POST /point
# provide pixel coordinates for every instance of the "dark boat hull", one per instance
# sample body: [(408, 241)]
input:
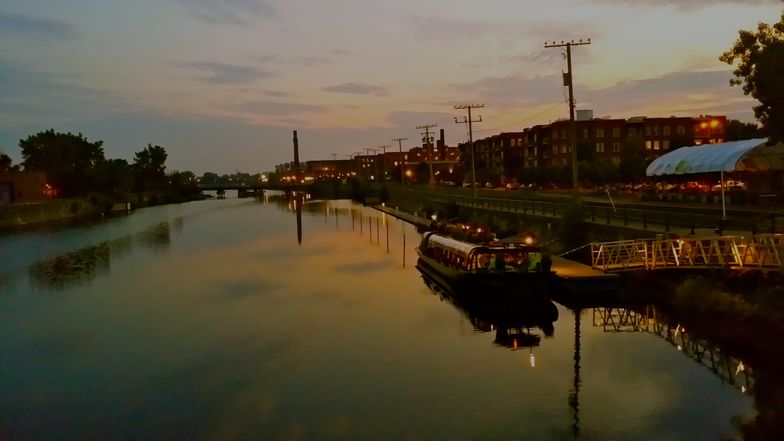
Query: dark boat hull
[(487, 284)]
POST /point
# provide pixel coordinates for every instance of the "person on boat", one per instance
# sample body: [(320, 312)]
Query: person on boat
[(491, 265), (500, 264)]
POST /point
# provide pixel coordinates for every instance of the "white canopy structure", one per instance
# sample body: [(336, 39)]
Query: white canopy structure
[(745, 155)]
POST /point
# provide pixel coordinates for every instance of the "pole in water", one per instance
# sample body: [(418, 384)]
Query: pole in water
[(387, 223), (378, 232), (404, 246)]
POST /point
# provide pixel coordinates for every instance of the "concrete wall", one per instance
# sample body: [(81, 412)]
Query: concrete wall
[(58, 209)]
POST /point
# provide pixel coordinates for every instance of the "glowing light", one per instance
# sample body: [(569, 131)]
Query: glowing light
[(532, 359), (703, 125), (714, 123), (529, 240)]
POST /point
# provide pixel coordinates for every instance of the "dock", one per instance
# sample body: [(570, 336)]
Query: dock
[(578, 277), (571, 275)]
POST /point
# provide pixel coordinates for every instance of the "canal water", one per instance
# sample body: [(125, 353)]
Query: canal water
[(230, 320)]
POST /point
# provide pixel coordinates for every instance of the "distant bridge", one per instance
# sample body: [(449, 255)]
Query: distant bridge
[(254, 187), (756, 252)]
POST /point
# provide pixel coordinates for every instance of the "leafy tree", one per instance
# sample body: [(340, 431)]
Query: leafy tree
[(209, 178), (69, 160), (113, 175), (422, 173), (737, 130), (760, 57), (149, 167), (633, 162), (6, 164)]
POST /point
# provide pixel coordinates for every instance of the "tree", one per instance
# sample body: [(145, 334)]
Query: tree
[(149, 167), (6, 164), (760, 57), (113, 175), (737, 130), (69, 160)]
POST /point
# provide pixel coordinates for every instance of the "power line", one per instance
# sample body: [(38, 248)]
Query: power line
[(400, 146), (468, 120), (567, 79), (529, 117), (429, 143)]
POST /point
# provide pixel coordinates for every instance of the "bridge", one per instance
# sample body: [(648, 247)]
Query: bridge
[(254, 187), (729, 369), (757, 252)]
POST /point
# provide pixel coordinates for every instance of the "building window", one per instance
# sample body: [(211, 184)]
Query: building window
[(648, 144), (600, 133), (656, 145), (585, 133), (666, 144), (647, 130), (616, 132), (555, 149), (655, 130), (564, 161), (666, 130), (616, 160), (599, 147), (563, 148), (616, 146), (519, 142), (680, 130), (563, 134)]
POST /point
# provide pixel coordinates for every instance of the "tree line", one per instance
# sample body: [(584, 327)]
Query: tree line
[(76, 166)]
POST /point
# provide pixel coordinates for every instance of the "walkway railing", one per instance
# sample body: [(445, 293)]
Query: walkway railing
[(764, 251), (652, 217)]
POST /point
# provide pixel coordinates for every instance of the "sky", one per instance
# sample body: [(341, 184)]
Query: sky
[(221, 84)]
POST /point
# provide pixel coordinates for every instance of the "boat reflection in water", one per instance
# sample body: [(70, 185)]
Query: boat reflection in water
[(519, 321)]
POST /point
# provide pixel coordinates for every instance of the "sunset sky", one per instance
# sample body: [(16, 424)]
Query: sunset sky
[(222, 83)]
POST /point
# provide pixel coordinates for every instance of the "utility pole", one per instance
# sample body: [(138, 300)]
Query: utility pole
[(567, 78), (469, 121), (371, 149), (429, 144), (402, 167), (383, 165)]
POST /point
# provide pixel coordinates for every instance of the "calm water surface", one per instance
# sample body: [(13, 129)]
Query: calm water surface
[(210, 321)]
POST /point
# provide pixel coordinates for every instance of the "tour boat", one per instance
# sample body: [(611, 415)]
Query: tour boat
[(508, 265)]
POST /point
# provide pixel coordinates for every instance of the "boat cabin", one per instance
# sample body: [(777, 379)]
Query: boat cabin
[(468, 257)]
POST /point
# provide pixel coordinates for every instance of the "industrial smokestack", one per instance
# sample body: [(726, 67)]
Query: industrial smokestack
[(441, 140), (296, 151)]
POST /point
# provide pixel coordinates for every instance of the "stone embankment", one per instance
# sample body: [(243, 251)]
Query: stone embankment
[(54, 210)]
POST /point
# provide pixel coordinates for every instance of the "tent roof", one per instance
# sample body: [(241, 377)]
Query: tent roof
[(745, 155)]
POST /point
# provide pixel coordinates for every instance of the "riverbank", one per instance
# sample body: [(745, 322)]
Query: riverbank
[(92, 206)]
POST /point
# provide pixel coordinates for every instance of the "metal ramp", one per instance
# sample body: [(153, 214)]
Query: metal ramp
[(762, 252)]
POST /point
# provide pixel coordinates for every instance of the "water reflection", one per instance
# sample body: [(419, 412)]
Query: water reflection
[(85, 264), (649, 319), (515, 322), (72, 268)]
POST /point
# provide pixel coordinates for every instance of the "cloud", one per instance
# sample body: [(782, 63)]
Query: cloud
[(686, 5), (451, 28), (236, 12), (277, 108), (220, 73), (304, 60), (357, 88), (686, 91), (30, 95), (512, 91), (31, 27)]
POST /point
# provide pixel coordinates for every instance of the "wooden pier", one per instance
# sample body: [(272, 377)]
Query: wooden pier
[(577, 277)]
